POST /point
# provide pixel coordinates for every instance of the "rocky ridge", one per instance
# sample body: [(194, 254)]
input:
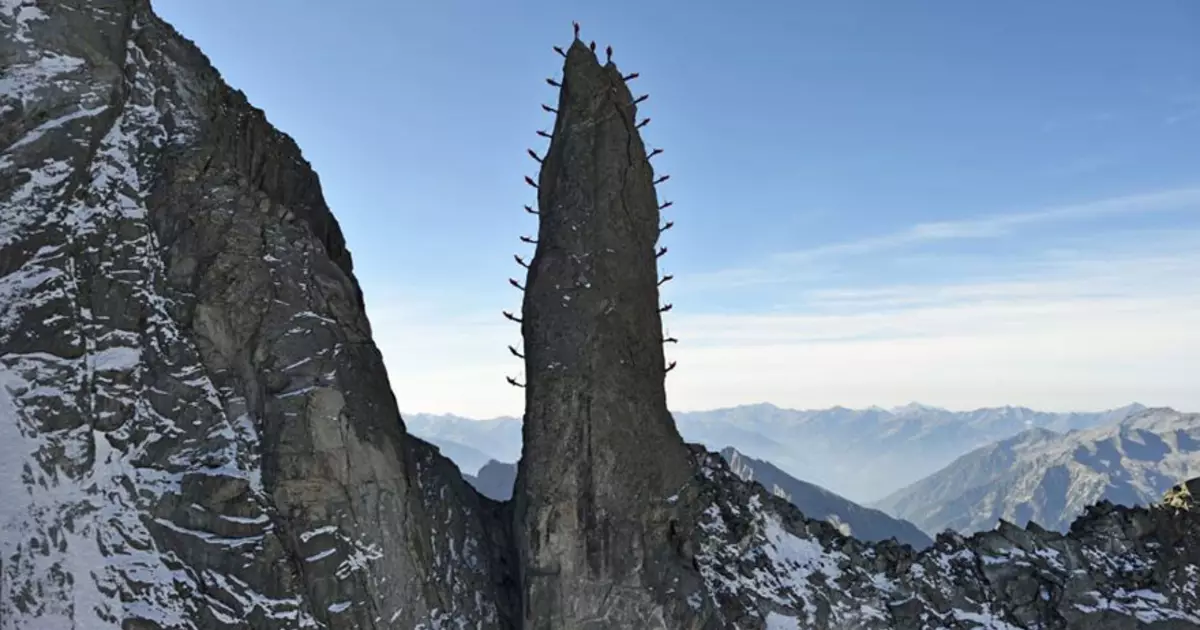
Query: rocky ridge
[(198, 431), (1050, 477)]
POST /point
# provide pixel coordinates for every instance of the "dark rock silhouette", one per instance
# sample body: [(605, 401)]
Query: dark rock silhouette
[(495, 480)]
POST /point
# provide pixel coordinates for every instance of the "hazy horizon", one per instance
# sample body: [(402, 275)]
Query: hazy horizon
[(892, 408)]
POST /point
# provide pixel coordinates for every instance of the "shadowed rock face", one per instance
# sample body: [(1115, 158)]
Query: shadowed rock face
[(600, 447), (196, 430)]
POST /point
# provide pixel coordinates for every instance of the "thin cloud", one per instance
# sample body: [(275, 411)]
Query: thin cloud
[(1099, 328), (1102, 319), (1006, 224), (1087, 338), (788, 267)]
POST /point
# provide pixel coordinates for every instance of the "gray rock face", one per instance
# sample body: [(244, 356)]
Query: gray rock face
[(817, 503), (495, 480), (197, 428), (600, 448)]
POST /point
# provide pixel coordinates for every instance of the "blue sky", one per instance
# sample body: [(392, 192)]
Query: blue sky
[(965, 204)]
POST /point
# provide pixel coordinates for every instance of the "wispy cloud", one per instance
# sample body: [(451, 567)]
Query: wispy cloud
[(779, 267), (1093, 321), (1083, 337), (1006, 224), (1084, 165), (1095, 329), (1185, 107)]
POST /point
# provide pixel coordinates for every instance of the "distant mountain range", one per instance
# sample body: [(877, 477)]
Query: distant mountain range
[(495, 480), (1049, 477), (928, 469), (862, 454), (818, 503)]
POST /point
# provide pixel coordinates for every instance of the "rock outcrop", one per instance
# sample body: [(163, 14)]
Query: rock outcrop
[(617, 527), (600, 448), (197, 431), (1183, 496)]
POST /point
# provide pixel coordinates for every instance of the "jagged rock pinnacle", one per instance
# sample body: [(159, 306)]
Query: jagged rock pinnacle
[(600, 446)]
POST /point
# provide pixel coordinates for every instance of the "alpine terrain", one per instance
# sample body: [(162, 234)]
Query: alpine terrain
[(495, 480), (199, 432), (818, 503), (1050, 478)]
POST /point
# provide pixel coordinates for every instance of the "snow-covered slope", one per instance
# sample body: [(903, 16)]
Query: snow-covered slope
[(818, 503), (770, 568)]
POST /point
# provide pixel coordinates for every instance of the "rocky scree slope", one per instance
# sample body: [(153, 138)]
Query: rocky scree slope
[(198, 431), (196, 428)]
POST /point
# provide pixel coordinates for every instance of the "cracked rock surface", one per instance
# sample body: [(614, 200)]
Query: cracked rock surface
[(197, 429), (600, 448)]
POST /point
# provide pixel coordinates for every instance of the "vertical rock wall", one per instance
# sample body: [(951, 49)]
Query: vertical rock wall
[(600, 448)]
